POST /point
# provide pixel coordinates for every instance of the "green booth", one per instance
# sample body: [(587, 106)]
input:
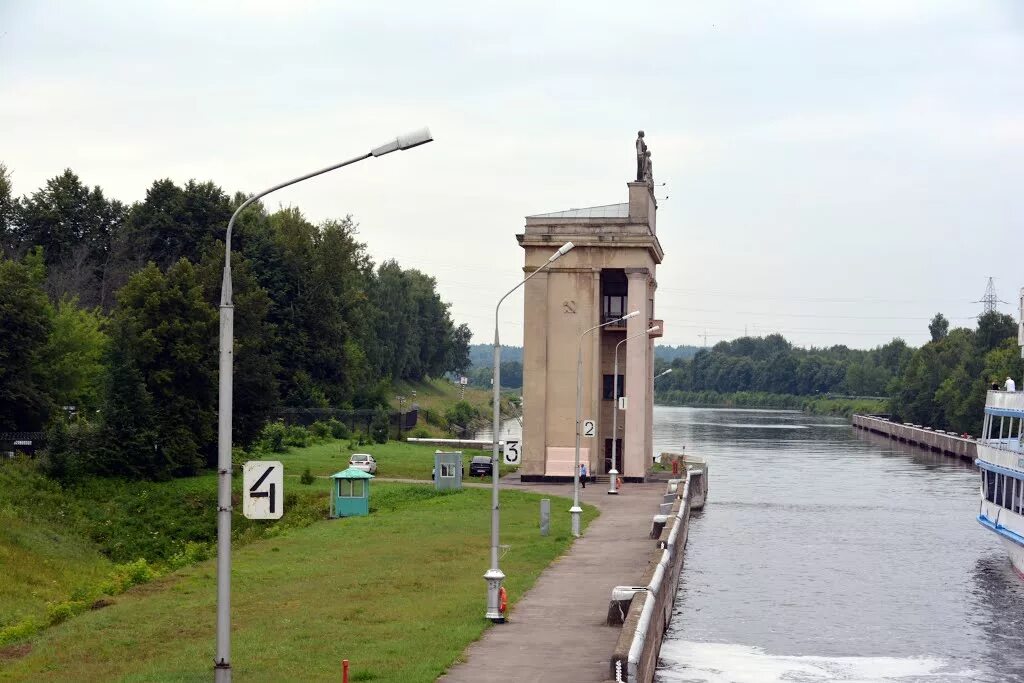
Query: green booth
[(350, 493)]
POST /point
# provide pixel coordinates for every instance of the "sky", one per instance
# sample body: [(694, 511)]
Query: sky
[(837, 172)]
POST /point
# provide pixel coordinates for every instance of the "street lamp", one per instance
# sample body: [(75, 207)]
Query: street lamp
[(661, 374), (613, 474), (222, 662), (576, 510), (494, 575), (401, 415)]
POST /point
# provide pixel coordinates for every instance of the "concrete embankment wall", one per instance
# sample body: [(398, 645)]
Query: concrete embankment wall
[(948, 444), (635, 657)]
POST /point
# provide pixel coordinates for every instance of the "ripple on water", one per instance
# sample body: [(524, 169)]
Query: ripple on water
[(826, 554)]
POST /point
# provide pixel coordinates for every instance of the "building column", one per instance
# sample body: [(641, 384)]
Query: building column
[(596, 385), (535, 374), (634, 445)]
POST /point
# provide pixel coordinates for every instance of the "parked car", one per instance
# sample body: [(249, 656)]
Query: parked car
[(364, 462), (480, 466)]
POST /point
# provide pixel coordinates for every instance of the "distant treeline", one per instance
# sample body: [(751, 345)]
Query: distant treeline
[(111, 309), (941, 384), (481, 360)]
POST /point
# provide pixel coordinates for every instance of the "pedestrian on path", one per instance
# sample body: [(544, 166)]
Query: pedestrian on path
[(583, 474)]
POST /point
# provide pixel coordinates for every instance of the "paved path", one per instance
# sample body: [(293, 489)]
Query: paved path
[(557, 631)]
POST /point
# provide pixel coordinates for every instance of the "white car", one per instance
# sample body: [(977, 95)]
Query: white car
[(364, 462)]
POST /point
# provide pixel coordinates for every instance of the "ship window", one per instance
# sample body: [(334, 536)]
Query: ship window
[(990, 486), (998, 498), (1017, 486)]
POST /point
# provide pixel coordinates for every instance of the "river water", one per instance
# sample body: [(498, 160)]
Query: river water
[(829, 555)]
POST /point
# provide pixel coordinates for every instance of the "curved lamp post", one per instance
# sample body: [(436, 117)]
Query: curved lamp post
[(494, 575), (222, 662), (613, 474), (575, 510)]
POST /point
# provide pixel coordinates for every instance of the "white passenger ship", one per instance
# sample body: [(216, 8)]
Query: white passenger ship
[(1001, 461)]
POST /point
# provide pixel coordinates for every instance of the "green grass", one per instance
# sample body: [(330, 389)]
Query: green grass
[(395, 459), (42, 563), (398, 593)]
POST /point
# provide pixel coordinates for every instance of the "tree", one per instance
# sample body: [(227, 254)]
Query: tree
[(938, 327), (8, 240), (73, 225), (993, 329), (72, 361), (161, 400), (25, 322)]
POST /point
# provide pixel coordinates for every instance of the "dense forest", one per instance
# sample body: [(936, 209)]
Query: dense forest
[(941, 384), (110, 321)]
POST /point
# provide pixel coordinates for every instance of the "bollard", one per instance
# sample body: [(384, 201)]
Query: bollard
[(657, 524), (344, 671), (545, 516), (675, 468)]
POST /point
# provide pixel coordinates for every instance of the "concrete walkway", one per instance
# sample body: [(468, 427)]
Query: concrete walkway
[(557, 631)]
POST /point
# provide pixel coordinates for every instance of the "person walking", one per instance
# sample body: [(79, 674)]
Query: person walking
[(583, 474)]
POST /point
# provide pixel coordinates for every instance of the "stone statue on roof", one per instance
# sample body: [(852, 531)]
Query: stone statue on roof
[(648, 171), (641, 159)]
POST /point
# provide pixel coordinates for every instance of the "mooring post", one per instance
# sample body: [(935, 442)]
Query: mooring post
[(545, 516)]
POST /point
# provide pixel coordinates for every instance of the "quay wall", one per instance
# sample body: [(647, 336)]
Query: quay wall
[(635, 657), (949, 444)]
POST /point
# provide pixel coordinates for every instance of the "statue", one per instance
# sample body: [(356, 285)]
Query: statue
[(648, 171), (641, 160)]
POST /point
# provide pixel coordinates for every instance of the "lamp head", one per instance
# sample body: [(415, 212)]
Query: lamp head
[(403, 142), (654, 328), (562, 251), (631, 314)]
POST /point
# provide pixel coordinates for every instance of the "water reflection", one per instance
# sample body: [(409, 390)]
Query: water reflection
[(825, 553)]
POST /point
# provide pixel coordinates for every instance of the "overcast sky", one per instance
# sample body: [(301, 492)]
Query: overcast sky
[(836, 171)]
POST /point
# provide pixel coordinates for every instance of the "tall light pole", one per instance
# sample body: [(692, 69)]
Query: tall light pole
[(494, 575), (613, 474), (576, 510), (660, 375), (222, 662), (401, 415)]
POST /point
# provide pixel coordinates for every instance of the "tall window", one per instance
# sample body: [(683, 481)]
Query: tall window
[(609, 387)]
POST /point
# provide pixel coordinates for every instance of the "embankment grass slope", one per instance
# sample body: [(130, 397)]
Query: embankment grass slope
[(41, 563), (398, 593)]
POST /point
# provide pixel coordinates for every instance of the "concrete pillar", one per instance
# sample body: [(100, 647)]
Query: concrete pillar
[(535, 324), (596, 384), (635, 442)]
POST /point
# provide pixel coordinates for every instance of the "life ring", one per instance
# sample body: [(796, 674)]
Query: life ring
[(502, 600)]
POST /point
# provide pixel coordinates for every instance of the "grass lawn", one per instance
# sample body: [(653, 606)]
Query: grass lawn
[(42, 563), (398, 593), (395, 459)]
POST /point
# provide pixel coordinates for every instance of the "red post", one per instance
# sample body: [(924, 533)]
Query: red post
[(344, 671), (675, 468)]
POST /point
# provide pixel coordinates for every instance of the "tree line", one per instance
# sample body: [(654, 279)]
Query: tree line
[(942, 384), (109, 311), (771, 364)]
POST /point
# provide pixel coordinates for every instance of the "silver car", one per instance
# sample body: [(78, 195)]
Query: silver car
[(364, 462)]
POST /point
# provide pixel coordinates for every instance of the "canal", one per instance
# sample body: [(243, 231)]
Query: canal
[(829, 555)]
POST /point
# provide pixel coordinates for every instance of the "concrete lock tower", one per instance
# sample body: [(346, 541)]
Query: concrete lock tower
[(610, 272)]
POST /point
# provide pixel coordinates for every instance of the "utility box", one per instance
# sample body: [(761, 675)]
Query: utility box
[(350, 493), (448, 470)]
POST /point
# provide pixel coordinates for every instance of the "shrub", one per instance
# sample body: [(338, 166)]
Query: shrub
[(420, 433), (339, 430), (192, 553), (462, 414), (321, 431), (272, 437), (296, 435), (380, 426), (432, 417), (307, 477)]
